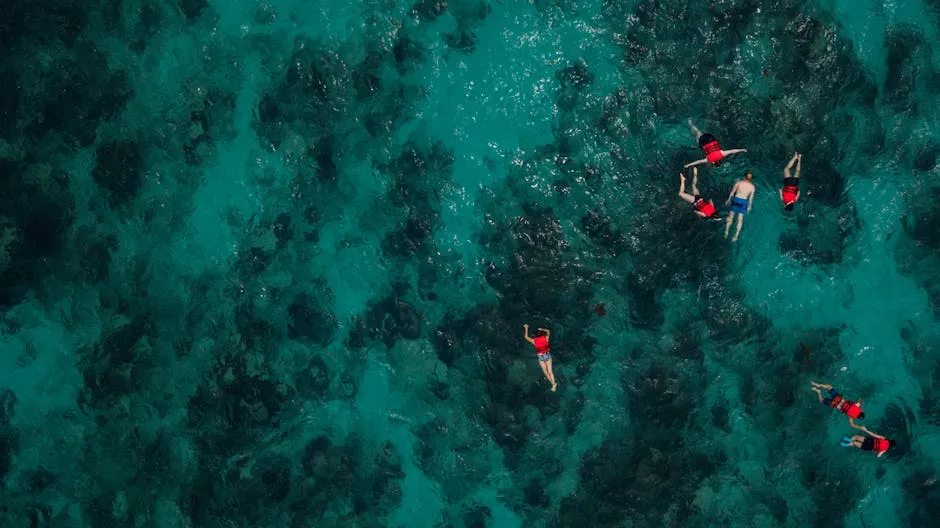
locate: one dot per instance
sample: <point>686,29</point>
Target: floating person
<point>835,400</point>
<point>543,352</point>
<point>740,201</point>
<point>791,184</point>
<point>704,208</point>
<point>708,143</point>
<point>875,442</point>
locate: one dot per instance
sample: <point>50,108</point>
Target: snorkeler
<point>876,443</point>
<point>708,143</point>
<point>543,352</point>
<point>835,400</point>
<point>704,208</point>
<point>740,200</point>
<point>791,184</point>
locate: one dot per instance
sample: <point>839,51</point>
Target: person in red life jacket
<point>704,208</point>
<point>543,352</point>
<point>875,442</point>
<point>740,199</point>
<point>713,152</point>
<point>791,184</point>
<point>835,400</point>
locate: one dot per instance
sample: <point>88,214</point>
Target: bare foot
<point>554,386</point>
<point>682,177</point>
<point>735,238</point>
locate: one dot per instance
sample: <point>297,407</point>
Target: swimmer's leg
<point>728,223</point>
<point>546,366</point>
<point>786,170</point>
<point>551,375</point>
<point>737,233</point>
<point>682,194</point>
<point>818,393</point>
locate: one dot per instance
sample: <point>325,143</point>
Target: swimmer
<point>791,184</point>
<point>713,152</point>
<point>876,443</point>
<point>543,352</point>
<point>740,200</point>
<point>835,400</point>
<point>704,208</point>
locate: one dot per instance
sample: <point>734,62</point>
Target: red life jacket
<point>879,445</point>
<point>852,409</point>
<point>713,151</point>
<point>704,207</point>
<point>847,407</point>
<point>789,194</point>
<point>541,345</point>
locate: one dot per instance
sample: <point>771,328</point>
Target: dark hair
<point>891,443</point>
<point>716,163</point>
<point>539,333</point>
<point>861,416</point>
<point>788,207</point>
<point>748,174</point>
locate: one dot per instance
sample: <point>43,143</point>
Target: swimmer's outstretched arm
<point>786,170</point>
<point>799,161</point>
<point>876,435</point>
<point>695,130</point>
<point>694,163</point>
<point>820,385</point>
<point>732,151</point>
<point>527,338</point>
<point>731,194</point>
<point>853,424</point>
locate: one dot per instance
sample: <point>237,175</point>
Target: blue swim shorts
<point>738,205</point>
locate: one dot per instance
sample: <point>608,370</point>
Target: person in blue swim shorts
<point>739,202</point>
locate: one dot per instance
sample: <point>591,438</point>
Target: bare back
<point>743,189</point>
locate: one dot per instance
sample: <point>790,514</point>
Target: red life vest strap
<point>835,402</point>
<point>713,151</point>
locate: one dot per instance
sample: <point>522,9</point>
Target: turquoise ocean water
<point>266,264</point>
